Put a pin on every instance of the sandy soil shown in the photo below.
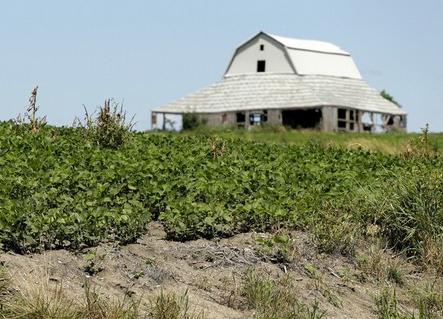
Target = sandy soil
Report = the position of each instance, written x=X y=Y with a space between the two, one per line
x=210 y=271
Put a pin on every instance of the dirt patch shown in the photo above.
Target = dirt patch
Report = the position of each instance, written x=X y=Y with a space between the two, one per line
x=211 y=272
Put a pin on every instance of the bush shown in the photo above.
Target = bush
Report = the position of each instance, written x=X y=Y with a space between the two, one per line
x=109 y=128
x=191 y=121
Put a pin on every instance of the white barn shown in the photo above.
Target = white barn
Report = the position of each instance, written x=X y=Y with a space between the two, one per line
x=291 y=82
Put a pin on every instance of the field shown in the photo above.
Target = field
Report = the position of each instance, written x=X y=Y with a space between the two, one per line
x=392 y=143
x=355 y=197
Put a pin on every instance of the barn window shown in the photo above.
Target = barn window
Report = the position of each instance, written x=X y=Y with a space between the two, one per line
x=262 y=47
x=255 y=118
x=347 y=119
x=224 y=118
x=261 y=66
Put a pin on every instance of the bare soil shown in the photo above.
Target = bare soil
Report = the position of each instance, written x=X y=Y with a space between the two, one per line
x=211 y=271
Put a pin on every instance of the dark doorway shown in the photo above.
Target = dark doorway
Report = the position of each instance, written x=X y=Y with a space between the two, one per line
x=300 y=119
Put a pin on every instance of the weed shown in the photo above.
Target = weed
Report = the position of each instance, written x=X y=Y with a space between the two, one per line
x=321 y=286
x=395 y=275
x=40 y=303
x=421 y=146
x=274 y=298
x=280 y=247
x=36 y=122
x=217 y=147
x=98 y=308
x=412 y=218
x=171 y=306
x=4 y=285
x=109 y=129
x=93 y=265
x=431 y=252
x=379 y=263
x=387 y=305
x=429 y=300
x=334 y=232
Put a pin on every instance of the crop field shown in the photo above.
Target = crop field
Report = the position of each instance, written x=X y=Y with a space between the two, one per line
x=392 y=143
x=59 y=190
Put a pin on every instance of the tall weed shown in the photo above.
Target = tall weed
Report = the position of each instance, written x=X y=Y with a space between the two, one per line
x=109 y=128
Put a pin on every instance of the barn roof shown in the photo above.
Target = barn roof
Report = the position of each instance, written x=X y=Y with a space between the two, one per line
x=282 y=91
x=305 y=56
x=311 y=45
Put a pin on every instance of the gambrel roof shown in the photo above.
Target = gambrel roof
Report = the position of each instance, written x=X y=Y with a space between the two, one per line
x=305 y=56
x=282 y=91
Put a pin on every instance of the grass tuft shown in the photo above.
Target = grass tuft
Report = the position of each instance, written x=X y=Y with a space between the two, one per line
x=387 y=306
x=275 y=298
x=171 y=306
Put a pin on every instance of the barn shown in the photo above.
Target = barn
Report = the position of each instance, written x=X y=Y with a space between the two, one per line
x=302 y=84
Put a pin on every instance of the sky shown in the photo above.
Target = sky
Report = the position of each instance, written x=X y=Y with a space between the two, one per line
x=148 y=53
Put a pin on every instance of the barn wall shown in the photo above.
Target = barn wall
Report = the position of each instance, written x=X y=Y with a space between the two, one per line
x=274 y=117
x=212 y=119
x=245 y=60
x=329 y=114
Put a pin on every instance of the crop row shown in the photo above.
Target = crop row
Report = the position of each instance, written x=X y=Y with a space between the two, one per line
x=59 y=191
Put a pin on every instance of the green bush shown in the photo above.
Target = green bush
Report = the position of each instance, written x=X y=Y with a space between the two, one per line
x=109 y=128
x=191 y=121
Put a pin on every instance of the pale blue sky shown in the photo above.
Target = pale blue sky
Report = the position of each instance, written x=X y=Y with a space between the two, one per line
x=151 y=52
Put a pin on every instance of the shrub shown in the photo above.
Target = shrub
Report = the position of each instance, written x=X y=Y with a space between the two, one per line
x=109 y=128
x=191 y=121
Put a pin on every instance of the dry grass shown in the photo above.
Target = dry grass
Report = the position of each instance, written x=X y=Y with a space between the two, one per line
x=172 y=306
x=51 y=301
x=274 y=298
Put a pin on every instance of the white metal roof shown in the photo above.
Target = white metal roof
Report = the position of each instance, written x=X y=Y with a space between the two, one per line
x=311 y=45
x=280 y=91
x=306 y=57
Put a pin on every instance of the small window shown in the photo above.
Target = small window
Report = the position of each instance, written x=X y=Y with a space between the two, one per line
x=261 y=66
x=224 y=118
x=262 y=47
x=342 y=114
x=264 y=116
